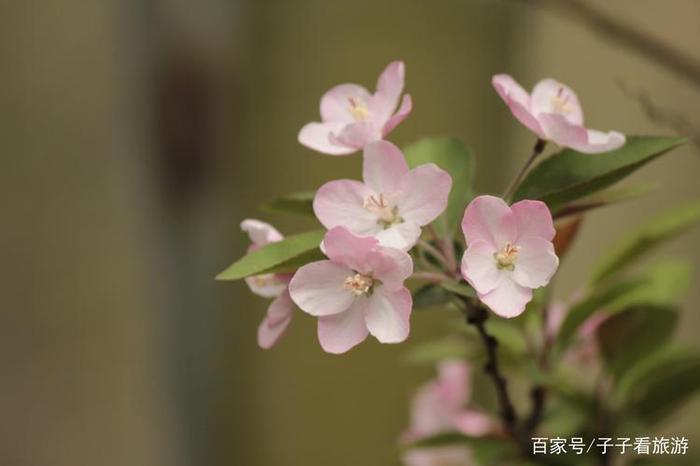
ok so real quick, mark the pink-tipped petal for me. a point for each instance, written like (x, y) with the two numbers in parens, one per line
(279, 315)
(317, 136)
(317, 288)
(336, 104)
(479, 267)
(536, 262)
(356, 135)
(474, 424)
(453, 383)
(424, 194)
(260, 233)
(518, 101)
(341, 203)
(343, 247)
(383, 167)
(562, 132)
(401, 236)
(340, 332)
(507, 299)
(390, 266)
(550, 96)
(390, 84)
(533, 218)
(488, 218)
(388, 315)
(401, 114)
(598, 142)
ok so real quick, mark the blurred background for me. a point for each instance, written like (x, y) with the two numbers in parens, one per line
(135, 135)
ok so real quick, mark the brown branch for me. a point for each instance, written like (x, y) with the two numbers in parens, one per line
(625, 35)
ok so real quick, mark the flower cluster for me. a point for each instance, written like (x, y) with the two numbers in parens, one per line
(374, 225)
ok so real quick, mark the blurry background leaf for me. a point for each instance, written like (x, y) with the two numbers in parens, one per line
(634, 334)
(566, 234)
(430, 295)
(664, 283)
(297, 203)
(651, 234)
(284, 255)
(570, 175)
(460, 289)
(660, 383)
(450, 155)
(433, 352)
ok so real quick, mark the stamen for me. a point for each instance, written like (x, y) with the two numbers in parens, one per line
(560, 102)
(388, 214)
(359, 284)
(358, 109)
(506, 257)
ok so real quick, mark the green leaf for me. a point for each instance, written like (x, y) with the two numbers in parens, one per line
(460, 289)
(604, 198)
(651, 234)
(430, 295)
(433, 352)
(569, 175)
(633, 334)
(664, 283)
(450, 155)
(661, 383)
(297, 203)
(282, 256)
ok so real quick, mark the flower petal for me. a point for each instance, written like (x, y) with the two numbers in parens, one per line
(260, 233)
(536, 262)
(388, 314)
(356, 135)
(453, 383)
(401, 114)
(424, 194)
(343, 247)
(550, 96)
(479, 266)
(383, 167)
(517, 100)
(598, 142)
(533, 218)
(474, 424)
(317, 288)
(279, 315)
(401, 236)
(391, 266)
(341, 203)
(267, 285)
(488, 218)
(451, 455)
(317, 136)
(390, 85)
(337, 102)
(340, 332)
(507, 299)
(562, 132)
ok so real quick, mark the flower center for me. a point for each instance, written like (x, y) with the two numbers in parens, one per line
(560, 103)
(388, 214)
(358, 109)
(506, 257)
(268, 279)
(359, 284)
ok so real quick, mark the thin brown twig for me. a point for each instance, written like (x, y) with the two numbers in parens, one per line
(625, 35)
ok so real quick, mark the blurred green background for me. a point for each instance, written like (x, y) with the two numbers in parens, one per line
(135, 135)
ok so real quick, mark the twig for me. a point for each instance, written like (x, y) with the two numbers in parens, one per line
(433, 277)
(537, 150)
(538, 395)
(476, 316)
(433, 252)
(627, 36)
(447, 249)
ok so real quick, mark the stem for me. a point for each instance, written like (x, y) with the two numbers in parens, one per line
(434, 277)
(538, 395)
(476, 316)
(437, 255)
(537, 150)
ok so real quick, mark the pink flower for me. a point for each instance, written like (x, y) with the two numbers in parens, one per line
(352, 117)
(279, 313)
(393, 202)
(452, 455)
(440, 406)
(509, 252)
(359, 290)
(553, 113)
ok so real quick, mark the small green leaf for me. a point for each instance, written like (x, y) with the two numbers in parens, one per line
(664, 283)
(651, 234)
(657, 385)
(450, 155)
(282, 256)
(633, 334)
(569, 175)
(297, 203)
(604, 198)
